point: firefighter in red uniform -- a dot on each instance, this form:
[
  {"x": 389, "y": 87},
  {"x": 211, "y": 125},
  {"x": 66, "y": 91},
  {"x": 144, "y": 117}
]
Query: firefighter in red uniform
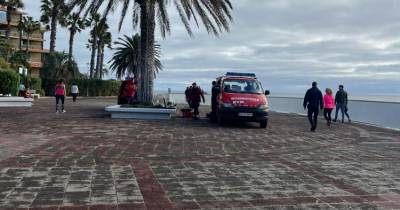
[{"x": 195, "y": 96}]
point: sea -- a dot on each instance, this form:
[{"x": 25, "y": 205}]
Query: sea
[{"x": 178, "y": 97}]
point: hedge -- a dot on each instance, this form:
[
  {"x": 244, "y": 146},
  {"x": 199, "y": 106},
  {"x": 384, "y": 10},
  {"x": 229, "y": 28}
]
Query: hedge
[
  {"x": 33, "y": 84},
  {"x": 9, "y": 82},
  {"x": 87, "y": 87}
]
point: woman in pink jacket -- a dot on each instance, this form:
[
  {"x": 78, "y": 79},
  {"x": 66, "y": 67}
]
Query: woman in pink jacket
[{"x": 329, "y": 104}]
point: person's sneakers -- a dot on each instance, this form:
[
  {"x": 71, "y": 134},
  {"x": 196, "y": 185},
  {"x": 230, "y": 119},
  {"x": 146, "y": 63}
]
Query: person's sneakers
[
  {"x": 342, "y": 121},
  {"x": 349, "y": 121},
  {"x": 57, "y": 112},
  {"x": 63, "y": 111},
  {"x": 328, "y": 123}
]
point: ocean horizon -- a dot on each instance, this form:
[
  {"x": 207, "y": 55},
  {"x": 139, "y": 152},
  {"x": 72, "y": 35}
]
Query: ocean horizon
[{"x": 378, "y": 98}]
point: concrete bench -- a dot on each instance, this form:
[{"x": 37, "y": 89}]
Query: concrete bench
[
  {"x": 34, "y": 94},
  {"x": 15, "y": 102},
  {"x": 118, "y": 112}
]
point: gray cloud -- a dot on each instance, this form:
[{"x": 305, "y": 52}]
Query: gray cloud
[{"x": 288, "y": 43}]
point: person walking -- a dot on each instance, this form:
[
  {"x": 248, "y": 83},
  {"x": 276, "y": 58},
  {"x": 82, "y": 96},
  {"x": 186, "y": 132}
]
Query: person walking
[
  {"x": 329, "y": 104},
  {"x": 21, "y": 89},
  {"x": 214, "y": 95},
  {"x": 340, "y": 102},
  {"x": 60, "y": 95},
  {"x": 187, "y": 94},
  {"x": 313, "y": 102},
  {"x": 74, "y": 91},
  {"x": 196, "y": 94}
]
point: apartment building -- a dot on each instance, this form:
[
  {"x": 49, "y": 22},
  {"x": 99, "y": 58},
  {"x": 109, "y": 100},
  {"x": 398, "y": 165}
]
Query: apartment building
[{"x": 36, "y": 40}]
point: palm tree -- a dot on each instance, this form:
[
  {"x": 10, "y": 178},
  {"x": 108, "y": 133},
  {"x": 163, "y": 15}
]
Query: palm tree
[
  {"x": 214, "y": 14},
  {"x": 57, "y": 65},
  {"x": 104, "y": 38},
  {"x": 126, "y": 57},
  {"x": 5, "y": 49},
  {"x": 94, "y": 20},
  {"x": 75, "y": 24},
  {"x": 52, "y": 12},
  {"x": 29, "y": 26},
  {"x": 18, "y": 59},
  {"x": 12, "y": 5}
]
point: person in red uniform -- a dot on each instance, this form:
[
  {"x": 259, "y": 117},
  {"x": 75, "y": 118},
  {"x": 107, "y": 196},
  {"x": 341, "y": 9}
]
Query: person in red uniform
[{"x": 195, "y": 96}]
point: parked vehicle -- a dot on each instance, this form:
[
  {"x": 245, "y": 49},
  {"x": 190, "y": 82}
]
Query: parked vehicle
[{"x": 241, "y": 98}]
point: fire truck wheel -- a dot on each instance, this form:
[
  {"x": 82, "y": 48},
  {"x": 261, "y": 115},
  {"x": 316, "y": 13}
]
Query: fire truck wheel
[
  {"x": 263, "y": 124},
  {"x": 220, "y": 120}
]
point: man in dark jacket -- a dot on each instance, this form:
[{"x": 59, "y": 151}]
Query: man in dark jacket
[
  {"x": 196, "y": 94},
  {"x": 313, "y": 102},
  {"x": 341, "y": 102},
  {"x": 214, "y": 94}
]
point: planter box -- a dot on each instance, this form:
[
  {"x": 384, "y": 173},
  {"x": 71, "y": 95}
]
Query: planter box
[
  {"x": 117, "y": 112},
  {"x": 15, "y": 102}
]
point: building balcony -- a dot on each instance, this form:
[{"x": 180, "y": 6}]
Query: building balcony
[{"x": 36, "y": 50}]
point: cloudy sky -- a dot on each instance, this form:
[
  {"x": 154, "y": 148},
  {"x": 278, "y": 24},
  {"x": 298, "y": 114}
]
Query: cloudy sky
[{"x": 287, "y": 43}]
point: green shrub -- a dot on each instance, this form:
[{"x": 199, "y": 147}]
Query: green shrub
[
  {"x": 9, "y": 81},
  {"x": 87, "y": 87},
  {"x": 33, "y": 84}
]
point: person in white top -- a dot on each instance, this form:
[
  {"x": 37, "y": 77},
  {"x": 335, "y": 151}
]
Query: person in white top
[
  {"x": 21, "y": 89},
  {"x": 74, "y": 91}
]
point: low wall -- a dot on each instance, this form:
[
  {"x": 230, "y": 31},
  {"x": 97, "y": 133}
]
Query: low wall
[{"x": 384, "y": 114}]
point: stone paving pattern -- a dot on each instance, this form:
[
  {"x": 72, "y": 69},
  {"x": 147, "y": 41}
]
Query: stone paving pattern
[{"x": 84, "y": 160}]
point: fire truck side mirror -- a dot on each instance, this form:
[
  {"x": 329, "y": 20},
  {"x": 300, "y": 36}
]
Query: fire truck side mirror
[{"x": 267, "y": 92}]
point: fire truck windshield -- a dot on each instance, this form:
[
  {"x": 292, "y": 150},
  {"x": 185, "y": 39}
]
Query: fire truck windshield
[{"x": 242, "y": 86}]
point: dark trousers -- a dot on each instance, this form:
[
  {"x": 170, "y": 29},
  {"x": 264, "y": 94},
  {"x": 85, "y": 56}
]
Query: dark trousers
[
  {"x": 195, "y": 106},
  {"x": 342, "y": 108},
  {"x": 328, "y": 114},
  {"x": 21, "y": 93},
  {"x": 74, "y": 95},
  {"x": 58, "y": 98},
  {"x": 313, "y": 117}
]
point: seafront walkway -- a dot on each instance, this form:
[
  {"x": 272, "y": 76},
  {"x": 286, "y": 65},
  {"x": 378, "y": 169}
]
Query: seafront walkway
[{"x": 84, "y": 160}]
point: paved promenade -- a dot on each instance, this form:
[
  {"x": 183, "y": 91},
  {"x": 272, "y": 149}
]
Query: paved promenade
[{"x": 84, "y": 160}]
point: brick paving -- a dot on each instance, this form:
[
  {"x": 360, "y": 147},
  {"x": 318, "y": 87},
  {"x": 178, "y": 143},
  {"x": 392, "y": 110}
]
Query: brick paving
[{"x": 84, "y": 160}]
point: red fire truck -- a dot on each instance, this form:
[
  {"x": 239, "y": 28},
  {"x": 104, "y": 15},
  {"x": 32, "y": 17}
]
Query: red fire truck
[{"x": 241, "y": 97}]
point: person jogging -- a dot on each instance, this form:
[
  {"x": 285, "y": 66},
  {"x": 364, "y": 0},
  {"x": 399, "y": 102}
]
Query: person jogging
[
  {"x": 340, "y": 102},
  {"x": 60, "y": 95},
  {"x": 313, "y": 102}
]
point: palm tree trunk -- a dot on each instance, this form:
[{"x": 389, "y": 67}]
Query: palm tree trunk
[
  {"x": 8, "y": 22},
  {"x": 71, "y": 44},
  {"x": 98, "y": 59},
  {"x": 53, "y": 34},
  {"x": 92, "y": 57},
  {"x": 101, "y": 61},
  {"x": 20, "y": 35},
  {"x": 147, "y": 27}
]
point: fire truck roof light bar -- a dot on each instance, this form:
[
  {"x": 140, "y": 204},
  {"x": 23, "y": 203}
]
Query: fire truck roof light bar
[{"x": 237, "y": 74}]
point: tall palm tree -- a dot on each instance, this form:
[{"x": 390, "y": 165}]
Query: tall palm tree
[
  {"x": 94, "y": 20},
  {"x": 5, "y": 49},
  {"x": 12, "y": 5},
  {"x": 29, "y": 26},
  {"x": 75, "y": 24},
  {"x": 104, "y": 38},
  {"x": 52, "y": 13},
  {"x": 215, "y": 15},
  {"x": 126, "y": 59},
  {"x": 106, "y": 41}
]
